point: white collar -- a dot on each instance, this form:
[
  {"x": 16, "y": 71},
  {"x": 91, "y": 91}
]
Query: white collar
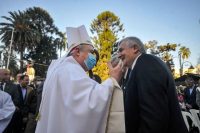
[
  {"x": 133, "y": 65},
  {"x": 3, "y": 85},
  {"x": 134, "y": 62}
]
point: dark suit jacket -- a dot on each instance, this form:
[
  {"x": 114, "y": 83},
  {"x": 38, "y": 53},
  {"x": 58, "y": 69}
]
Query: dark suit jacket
[
  {"x": 11, "y": 89},
  {"x": 39, "y": 96},
  {"x": 23, "y": 102},
  {"x": 191, "y": 99},
  {"x": 151, "y": 104}
]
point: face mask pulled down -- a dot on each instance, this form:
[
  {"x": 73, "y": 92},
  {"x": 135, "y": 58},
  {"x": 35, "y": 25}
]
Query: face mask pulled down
[{"x": 90, "y": 62}]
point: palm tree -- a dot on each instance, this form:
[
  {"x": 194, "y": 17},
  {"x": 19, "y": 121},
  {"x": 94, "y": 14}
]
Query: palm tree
[
  {"x": 24, "y": 36},
  {"x": 60, "y": 42},
  {"x": 13, "y": 67},
  {"x": 184, "y": 53}
]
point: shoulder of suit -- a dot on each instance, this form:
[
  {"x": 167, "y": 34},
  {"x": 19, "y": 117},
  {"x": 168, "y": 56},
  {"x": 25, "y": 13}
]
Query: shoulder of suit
[
  {"x": 10, "y": 85},
  {"x": 148, "y": 57}
]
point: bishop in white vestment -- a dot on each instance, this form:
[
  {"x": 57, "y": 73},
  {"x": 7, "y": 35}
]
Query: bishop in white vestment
[{"x": 71, "y": 101}]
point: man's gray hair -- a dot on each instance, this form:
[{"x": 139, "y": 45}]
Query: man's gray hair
[{"x": 133, "y": 41}]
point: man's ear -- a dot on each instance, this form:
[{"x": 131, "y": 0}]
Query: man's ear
[
  {"x": 135, "y": 49},
  {"x": 77, "y": 51}
]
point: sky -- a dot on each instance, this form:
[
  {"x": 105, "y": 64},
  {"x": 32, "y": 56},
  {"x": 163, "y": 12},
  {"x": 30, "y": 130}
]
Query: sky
[{"x": 167, "y": 21}]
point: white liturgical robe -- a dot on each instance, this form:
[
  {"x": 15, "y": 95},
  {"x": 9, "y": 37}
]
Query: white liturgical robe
[
  {"x": 7, "y": 109},
  {"x": 72, "y": 102}
]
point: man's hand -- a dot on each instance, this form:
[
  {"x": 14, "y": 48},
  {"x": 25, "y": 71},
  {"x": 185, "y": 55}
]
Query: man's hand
[{"x": 116, "y": 72}]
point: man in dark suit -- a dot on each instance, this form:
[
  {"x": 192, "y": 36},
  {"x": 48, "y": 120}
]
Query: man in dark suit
[
  {"x": 151, "y": 104},
  {"x": 8, "y": 86},
  {"x": 24, "y": 91},
  {"x": 190, "y": 94},
  {"x": 11, "y": 89}
]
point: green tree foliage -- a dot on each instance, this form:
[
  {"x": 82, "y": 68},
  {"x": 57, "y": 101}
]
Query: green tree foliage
[
  {"x": 43, "y": 55},
  {"x": 184, "y": 52},
  {"x": 41, "y": 21},
  {"x": 24, "y": 37},
  {"x": 162, "y": 51},
  {"x": 13, "y": 67},
  {"x": 151, "y": 47},
  {"x": 61, "y": 42},
  {"x": 105, "y": 29},
  {"x": 51, "y": 39},
  {"x": 165, "y": 51}
]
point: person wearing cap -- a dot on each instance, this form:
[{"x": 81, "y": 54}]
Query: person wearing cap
[{"x": 71, "y": 101}]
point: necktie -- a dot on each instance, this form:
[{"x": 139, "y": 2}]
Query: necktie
[
  {"x": 126, "y": 79},
  {"x": 128, "y": 74}
]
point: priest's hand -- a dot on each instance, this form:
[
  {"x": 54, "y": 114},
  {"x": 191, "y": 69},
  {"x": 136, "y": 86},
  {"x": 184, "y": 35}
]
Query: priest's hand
[{"x": 115, "y": 72}]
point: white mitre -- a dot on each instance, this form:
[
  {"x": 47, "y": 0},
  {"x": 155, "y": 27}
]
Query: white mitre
[{"x": 77, "y": 36}]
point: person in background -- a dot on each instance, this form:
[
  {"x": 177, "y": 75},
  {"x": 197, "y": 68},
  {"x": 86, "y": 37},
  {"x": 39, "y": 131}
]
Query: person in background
[
  {"x": 7, "y": 109},
  {"x": 31, "y": 104},
  {"x": 198, "y": 95},
  {"x": 181, "y": 98},
  {"x": 115, "y": 122},
  {"x": 151, "y": 104},
  {"x": 7, "y": 86},
  {"x": 190, "y": 94},
  {"x": 24, "y": 91},
  {"x": 18, "y": 78}
]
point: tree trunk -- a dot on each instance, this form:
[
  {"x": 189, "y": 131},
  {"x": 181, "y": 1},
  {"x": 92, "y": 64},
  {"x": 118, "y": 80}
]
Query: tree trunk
[
  {"x": 21, "y": 59},
  {"x": 181, "y": 66}
]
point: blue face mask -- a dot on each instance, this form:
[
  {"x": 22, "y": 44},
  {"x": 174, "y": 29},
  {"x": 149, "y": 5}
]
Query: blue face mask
[{"x": 90, "y": 62}]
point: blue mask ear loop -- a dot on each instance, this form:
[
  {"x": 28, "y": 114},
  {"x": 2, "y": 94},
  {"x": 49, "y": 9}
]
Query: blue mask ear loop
[{"x": 91, "y": 75}]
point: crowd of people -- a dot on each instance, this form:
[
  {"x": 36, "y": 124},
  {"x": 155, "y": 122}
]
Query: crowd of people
[
  {"x": 24, "y": 99},
  {"x": 138, "y": 97},
  {"x": 189, "y": 94}
]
